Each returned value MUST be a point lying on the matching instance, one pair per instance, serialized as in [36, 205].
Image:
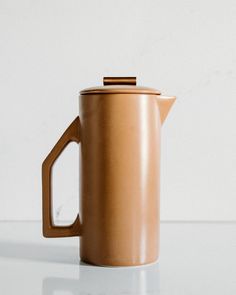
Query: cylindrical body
[119, 178]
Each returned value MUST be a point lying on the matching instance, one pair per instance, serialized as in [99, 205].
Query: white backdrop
[50, 50]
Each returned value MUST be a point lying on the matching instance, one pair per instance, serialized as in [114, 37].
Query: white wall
[50, 50]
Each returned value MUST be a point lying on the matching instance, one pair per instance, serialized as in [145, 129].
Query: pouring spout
[165, 103]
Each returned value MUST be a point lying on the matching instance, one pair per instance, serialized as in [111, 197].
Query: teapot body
[119, 178]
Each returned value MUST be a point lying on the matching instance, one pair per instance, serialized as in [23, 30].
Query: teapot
[118, 131]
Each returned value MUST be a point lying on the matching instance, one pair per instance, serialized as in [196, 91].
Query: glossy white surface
[196, 258]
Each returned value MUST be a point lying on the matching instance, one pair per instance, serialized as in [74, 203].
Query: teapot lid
[122, 85]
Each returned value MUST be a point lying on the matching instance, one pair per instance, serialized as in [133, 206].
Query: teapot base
[117, 264]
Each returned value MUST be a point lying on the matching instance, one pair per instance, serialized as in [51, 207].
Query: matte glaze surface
[119, 135]
[120, 157]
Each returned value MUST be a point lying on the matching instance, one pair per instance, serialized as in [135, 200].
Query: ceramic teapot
[118, 131]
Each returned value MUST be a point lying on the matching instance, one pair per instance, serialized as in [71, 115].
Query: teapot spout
[165, 103]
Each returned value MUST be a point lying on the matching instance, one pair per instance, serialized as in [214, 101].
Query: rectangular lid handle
[119, 81]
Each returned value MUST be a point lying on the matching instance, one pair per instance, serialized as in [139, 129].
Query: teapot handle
[72, 134]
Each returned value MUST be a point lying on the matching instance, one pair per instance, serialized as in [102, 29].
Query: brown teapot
[118, 130]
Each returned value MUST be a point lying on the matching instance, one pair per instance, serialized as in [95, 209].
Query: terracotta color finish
[120, 179]
[164, 103]
[122, 89]
[119, 174]
[49, 229]
[119, 81]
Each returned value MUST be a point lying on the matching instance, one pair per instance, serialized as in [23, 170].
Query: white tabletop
[196, 258]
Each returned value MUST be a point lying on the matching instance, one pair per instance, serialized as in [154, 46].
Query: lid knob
[119, 81]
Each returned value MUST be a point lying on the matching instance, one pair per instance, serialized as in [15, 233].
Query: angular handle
[50, 230]
[119, 81]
